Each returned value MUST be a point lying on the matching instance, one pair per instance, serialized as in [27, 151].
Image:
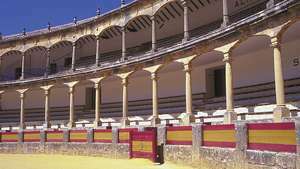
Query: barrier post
[66, 135]
[197, 141]
[43, 136]
[241, 143]
[90, 135]
[161, 135]
[297, 129]
[21, 136]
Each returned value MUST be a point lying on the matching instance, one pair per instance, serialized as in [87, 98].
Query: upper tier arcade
[139, 31]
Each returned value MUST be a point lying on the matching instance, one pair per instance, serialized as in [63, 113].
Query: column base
[71, 125]
[229, 117]
[155, 121]
[22, 126]
[97, 124]
[280, 112]
[184, 40]
[187, 119]
[46, 125]
[125, 122]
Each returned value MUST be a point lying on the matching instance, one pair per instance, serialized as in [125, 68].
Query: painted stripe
[32, 136]
[219, 127]
[10, 140]
[142, 146]
[219, 144]
[273, 147]
[9, 137]
[179, 128]
[171, 142]
[103, 137]
[219, 136]
[78, 136]
[271, 126]
[55, 136]
[286, 137]
[55, 140]
[78, 140]
[124, 135]
[102, 141]
[180, 135]
[102, 131]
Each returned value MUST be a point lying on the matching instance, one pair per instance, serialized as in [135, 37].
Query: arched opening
[11, 65]
[60, 56]
[138, 35]
[111, 44]
[86, 51]
[35, 61]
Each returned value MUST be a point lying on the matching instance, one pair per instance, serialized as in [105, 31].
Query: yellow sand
[16, 161]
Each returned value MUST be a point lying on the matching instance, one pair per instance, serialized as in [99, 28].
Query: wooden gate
[143, 144]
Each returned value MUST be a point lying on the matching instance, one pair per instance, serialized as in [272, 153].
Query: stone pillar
[188, 95]
[153, 33]
[97, 63]
[73, 56]
[22, 107]
[47, 72]
[23, 67]
[47, 105]
[66, 136]
[43, 136]
[123, 30]
[125, 122]
[97, 83]
[297, 128]
[281, 110]
[241, 144]
[229, 116]
[71, 86]
[161, 135]
[90, 135]
[185, 3]
[155, 117]
[225, 13]
[197, 141]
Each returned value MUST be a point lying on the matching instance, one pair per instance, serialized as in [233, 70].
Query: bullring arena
[204, 83]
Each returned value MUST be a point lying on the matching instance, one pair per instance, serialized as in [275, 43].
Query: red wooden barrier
[78, 136]
[278, 137]
[179, 135]
[54, 136]
[103, 136]
[32, 136]
[219, 136]
[124, 135]
[9, 136]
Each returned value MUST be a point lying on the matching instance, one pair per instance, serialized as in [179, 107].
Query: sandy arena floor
[76, 162]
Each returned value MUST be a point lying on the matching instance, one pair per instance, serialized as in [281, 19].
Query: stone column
[225, 13]
[97, 63]
[197, 142]
[123, 30]
[281, 110]
[47, 105]
[229, 116]
[125, 120]
[71, 86]
[155, 118]
[241, 144]
[73, 56]
[22, 107]
[23, 67]
[153, 33]
[189, 117]
[154, 77]
[97, 83]
[185, 19]
[47, 72]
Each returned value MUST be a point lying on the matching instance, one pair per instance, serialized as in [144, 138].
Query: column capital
[46, 88]
[22, 91]
[227, 58]
[1, 92]
[124, 81]
[275, 42]
[153, 69]
[187, 67]
[125, 75]
[154, 76]
[74, 44]
[184, 3]
[152, 17]
[97, 80]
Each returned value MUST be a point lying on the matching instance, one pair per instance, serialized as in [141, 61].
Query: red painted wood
[273, 147]
[219, 127]
[219, 144]
[271, 126]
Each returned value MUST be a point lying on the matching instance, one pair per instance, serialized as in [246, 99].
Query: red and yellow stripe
[9, 137]
[278, 137]
[103, 136]
[54, 136]
[32, 136]
[179, 135]
[219, 136]
[124, 134]
[78, 136]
